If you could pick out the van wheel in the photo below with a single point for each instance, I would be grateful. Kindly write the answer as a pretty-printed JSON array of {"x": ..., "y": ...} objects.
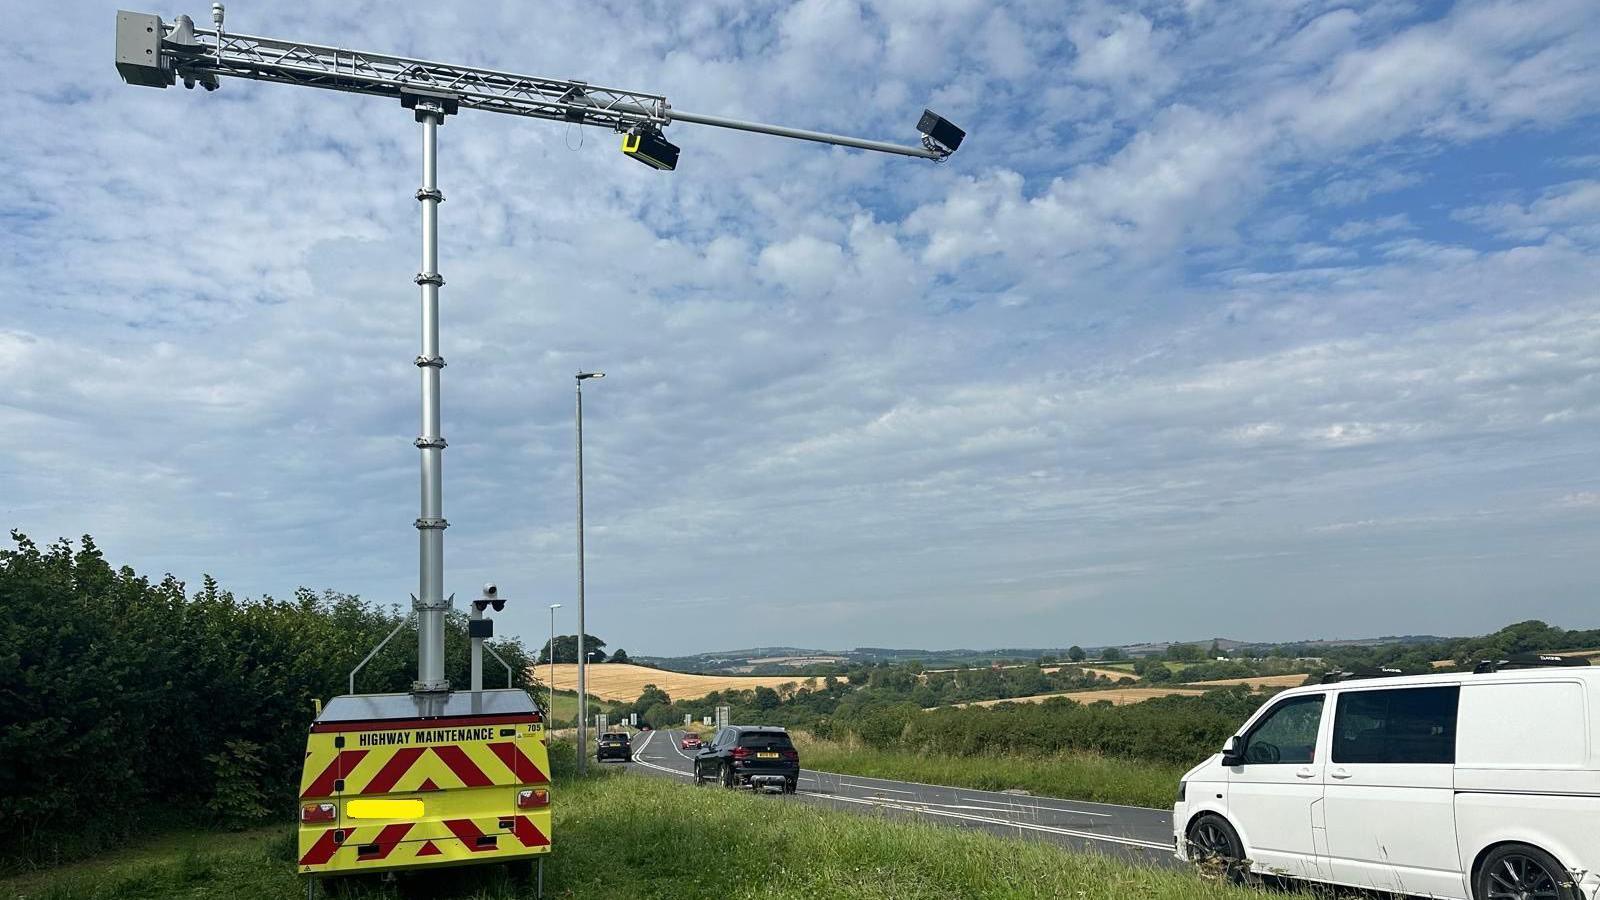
[
  {"x": 1518, "y": 871},
  {"x": 1215, "y": 847}
]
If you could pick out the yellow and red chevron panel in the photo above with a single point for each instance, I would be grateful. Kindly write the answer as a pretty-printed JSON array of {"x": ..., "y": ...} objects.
[
  {"x": 386, "y": 770},
  {"x": 418, "y": 756},
  {"x": 404, "y": 844}
]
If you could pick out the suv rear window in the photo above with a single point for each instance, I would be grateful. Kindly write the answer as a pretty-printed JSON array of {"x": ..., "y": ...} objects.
[
  {"x": 765, "y": 740},
  {"x": 618, "y": 736}
]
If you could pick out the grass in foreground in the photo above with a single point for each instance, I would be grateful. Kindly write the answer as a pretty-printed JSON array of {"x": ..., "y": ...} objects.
[
  {"x": 1068, "y": 775},
  {"x": 638, "y": 837}
]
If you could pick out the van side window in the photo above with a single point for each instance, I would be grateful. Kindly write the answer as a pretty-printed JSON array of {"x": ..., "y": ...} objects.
[
  {"x": 1405, "y": 725},
  {"x": 1287, "y": 734}
]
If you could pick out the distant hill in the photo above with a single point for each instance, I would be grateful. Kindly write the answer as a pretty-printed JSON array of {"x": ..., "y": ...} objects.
[{"x": 808, "y": 661}]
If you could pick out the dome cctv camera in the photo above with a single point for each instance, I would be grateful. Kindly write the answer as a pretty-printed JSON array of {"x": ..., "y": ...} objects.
[{"x": 489, "y": 590}]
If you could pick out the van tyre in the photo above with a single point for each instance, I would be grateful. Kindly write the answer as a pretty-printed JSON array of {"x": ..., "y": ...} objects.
[
  {"x": 1517, "y": 871},
  {"x": 1215, "y": 847}
]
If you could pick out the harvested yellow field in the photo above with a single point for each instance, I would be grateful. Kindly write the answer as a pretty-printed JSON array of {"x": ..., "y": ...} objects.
[
  {"x": 1587, "y": 654},
  {"x": 624, "y": 682},
  {"x": 1116, "y": 696},
  {"x": 1112, "y": 674},
  {"x": 1127, "y": 695},
  {"x": 1256, "y": 682}
]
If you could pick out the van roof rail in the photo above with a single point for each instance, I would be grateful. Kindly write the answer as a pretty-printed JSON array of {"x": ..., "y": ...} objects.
[
  {"x": 1527, "y": 661},
  {"x": 1338, "y": 675}
]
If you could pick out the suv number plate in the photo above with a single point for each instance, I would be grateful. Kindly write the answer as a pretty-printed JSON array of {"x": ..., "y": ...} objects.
[{"x": 766, "y": 756}]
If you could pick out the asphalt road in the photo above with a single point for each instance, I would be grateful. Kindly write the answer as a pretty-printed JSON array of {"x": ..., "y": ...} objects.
[{"x": 1130, "y": 832}]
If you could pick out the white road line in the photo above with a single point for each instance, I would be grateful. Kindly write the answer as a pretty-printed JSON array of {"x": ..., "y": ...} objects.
[
  {"x": 994, "y": 808},
  {"x": 1031, "y": 806},
  {"x": 640, "y": 761},
  {"x": 873, "y": 787},
  {"x": 947, "y": 787},
  {"x": 1047, "y": 829}
]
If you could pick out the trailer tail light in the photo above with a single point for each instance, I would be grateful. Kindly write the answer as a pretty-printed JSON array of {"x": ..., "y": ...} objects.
[
  {"x": 533, "y": 799},
  {"x": 316, "y": 812}
]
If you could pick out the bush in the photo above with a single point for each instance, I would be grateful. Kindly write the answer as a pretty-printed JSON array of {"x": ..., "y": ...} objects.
[{"x": 237, "y": 794}]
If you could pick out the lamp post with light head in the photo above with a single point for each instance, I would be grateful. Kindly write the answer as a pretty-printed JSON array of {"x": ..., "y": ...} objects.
[
  {"x": 552, "y": 685},
  {"x": 583, "y": 653}
]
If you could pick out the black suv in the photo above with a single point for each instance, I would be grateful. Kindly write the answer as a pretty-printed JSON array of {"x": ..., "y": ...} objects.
[
  {"x": 761, "y": 756},
  {"x": 613, "y": 745}
]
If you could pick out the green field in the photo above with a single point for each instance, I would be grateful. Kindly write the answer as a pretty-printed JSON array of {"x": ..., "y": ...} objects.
[
  {"x": 564, "y": 708},
  {"x": 1069, "y": 775},
  {"x": 638, "y": 837}
]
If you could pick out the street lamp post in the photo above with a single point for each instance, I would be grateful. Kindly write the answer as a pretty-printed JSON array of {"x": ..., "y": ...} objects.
[
  {"x": 583, "y": 653},
  {"x": 552, "y": 685}
]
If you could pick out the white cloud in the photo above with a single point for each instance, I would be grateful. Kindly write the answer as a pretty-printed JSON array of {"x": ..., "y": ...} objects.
[
  {"x": 1572, "y": 209},
  {"x": 1107, "y": 364},
  {"x": 1356, "y": 229}
]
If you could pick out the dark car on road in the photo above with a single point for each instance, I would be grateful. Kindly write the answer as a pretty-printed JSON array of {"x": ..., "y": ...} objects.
[
  {"x": 761, "y": 756},
  {"x": 613, "y": 745}
]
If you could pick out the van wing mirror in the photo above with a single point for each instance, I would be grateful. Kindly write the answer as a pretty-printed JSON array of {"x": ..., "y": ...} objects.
[{"x": 1233, "y": 751}]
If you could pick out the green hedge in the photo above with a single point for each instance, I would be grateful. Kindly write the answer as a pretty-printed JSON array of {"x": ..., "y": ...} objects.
[
  {"x": 1182, "y": 730},
  {"x": 125, "y": 701}
]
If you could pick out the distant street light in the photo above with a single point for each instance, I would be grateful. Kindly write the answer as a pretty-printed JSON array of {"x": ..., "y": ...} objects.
[
  {"x": 583, "y": 653},
  {"x": 552, "y": 685}
]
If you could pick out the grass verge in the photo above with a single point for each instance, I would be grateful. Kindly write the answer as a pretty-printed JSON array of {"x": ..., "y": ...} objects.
[
  {"x": 637, "y": 837},
  {"x": 563, "y": 710},
  {"x": 1069, "y": 775}
]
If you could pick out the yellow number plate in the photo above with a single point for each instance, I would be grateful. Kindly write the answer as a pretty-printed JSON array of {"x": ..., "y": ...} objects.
[{"x": 766, "y": 756}]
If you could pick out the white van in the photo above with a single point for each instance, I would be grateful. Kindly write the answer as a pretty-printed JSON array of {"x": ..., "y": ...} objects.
[{"x": 1482, "y": 785}]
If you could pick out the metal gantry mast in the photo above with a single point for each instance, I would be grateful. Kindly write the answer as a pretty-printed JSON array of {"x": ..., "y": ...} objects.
[{"x": 153, "y": 53}]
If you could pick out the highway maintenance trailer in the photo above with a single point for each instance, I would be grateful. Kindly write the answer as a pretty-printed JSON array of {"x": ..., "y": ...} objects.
[{"x": 400, "y": 781}]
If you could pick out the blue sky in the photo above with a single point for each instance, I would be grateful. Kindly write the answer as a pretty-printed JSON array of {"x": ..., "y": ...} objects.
[{"x": 1254, "y": 319}]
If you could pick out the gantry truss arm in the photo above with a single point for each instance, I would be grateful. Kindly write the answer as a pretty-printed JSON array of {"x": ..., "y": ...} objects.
[
  {"x": 153, "y": 53},
  {"x": 335, "y": 68}
]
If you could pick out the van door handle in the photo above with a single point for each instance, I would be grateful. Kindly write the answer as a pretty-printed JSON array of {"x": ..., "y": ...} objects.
[
  {"x": 1305, "y": 772},
  {"x": 1340, "y": 773}
]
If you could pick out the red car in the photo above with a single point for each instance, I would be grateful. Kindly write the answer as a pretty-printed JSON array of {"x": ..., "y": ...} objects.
[{"x": 689, "y": 742}]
